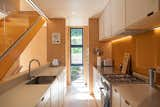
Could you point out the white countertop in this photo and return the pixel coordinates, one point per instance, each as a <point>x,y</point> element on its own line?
<point>24,95</point>
<point>140,95</point>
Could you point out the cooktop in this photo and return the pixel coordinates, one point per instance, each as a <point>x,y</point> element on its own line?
<point>122,78</point>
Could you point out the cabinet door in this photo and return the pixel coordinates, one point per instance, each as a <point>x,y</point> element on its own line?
<point>118,16</point>
<point>97,93</point>
<point>53,93</point>
<point>47,99</point>
<point>138,9</point>
<point>60,91</point>
<point>125,103</point>
<point>107,21</point>
<point>116,99</point>
<point>101,27</point>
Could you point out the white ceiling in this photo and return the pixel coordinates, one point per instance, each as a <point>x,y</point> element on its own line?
<point>76,12</point>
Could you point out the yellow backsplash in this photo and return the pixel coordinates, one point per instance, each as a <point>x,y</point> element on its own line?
<point>144,49</point>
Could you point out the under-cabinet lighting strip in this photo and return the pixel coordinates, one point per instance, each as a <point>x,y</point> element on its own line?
<point>157,28</point>
<point>36,8</point>
<point>122,39</point>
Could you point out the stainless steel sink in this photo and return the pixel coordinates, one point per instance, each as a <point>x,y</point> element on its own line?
<point>41,80</point>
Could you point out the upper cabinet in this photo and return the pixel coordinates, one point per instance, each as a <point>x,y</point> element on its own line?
<point>118,16</point>
<point>137,11</point>
<point>128,17</point>
<point>105,23</point>
<point>101,27</point>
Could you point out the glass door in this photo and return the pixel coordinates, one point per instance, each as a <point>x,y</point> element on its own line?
<point>76,53</point>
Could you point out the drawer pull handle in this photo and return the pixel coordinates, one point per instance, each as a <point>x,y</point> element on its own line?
<point>127,102</point>
<point>42,99</point>
<point>150,14</point>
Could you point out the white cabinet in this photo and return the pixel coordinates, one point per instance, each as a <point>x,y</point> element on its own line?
<point>97,86</point>
<point>139,9</point>
<point>45,100</point>
<point>101,27</point>
<point>118,16</point>
<point>54,96</point>
<point>105,23</point>
<point>116,98</point>
<point>128,17</point>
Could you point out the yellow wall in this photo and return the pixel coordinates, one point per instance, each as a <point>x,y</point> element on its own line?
<point>24,6</point>
<point>10,58</point>
<point>10,5</point>
<point>144,49</point>
<point>56,50</point>
<point>37,49</point>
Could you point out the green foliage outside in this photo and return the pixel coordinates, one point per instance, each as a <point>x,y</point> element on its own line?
<point>76,36</point>
<point>76,50</point>
<point>74,72</point>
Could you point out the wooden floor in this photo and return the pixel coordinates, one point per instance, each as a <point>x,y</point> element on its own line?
<point>78,96</point>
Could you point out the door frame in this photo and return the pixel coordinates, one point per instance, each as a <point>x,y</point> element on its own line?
<point>76,46</point>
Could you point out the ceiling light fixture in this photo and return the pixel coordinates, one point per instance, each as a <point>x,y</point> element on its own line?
<point>36,8</point>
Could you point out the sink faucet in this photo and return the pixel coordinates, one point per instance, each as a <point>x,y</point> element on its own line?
<point>30,63</point>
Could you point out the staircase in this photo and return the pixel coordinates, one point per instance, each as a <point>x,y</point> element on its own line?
<point>16,31</point>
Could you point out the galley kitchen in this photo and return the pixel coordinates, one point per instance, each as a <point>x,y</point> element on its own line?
<point>79,53</point>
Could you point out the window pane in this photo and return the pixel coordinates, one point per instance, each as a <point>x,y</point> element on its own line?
<point>76,36</point>
<point>76,54</point>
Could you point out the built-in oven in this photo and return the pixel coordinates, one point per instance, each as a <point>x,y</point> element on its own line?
<point>105,93</point>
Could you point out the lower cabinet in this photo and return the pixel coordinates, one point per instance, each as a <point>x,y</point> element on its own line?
<point>97,86</point>
<point>45,101</point>
<point>118,100</point>
<point>54,96</point>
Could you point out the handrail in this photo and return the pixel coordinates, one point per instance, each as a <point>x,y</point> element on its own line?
<point>36,8</point>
